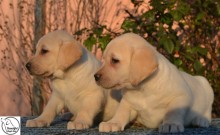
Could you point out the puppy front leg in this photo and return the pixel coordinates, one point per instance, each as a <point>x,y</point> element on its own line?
<point>85,114</point>
<point>122,117</point>
<point>53,107</point>
<point>173,121</point>
<point>82,120</point>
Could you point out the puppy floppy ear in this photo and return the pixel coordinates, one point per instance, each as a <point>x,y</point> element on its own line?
<point>69,53</point>
<point>143,63</point>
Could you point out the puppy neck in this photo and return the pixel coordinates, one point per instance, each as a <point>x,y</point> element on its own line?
<point>61,74</point>
<point>76,67</point>
<point>146,82</point>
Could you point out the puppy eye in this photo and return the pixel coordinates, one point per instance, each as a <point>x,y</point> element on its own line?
<point>44,51</point>
<point>115,61</point>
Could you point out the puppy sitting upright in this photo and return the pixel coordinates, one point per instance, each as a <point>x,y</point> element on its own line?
<point>156,93</point>
<point>71,68</point>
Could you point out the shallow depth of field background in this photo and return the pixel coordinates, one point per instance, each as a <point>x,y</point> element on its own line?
<point>187,32</point>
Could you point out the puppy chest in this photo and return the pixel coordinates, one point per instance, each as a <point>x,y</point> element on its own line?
<point>139,101</point>
<point>150,118</point>
<point>67,94</point>
<point>151,109</point>
<point>72,104</point>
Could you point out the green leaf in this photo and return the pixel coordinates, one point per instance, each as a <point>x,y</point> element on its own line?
<point>104,41</point>
<point>187,55</point>
<point>189,50</point>
<point>168,45</point>
<point>166,18</point>
<point>202,51</point>
<point>178,62</point>
<point>181,10</point>
<point>90,42</point>
<point>128,24</point>
<point>98,31</point>
<point>218,8</point>
<point>200,16</point>
<point>149,15</point>
<point>195,50</point>
<point>177,15</point>
<point>197,66</point>
<point>157,5</point>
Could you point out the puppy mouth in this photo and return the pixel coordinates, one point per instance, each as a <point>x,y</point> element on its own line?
<point>47,74</point>
<point>44,74</point>
<point>108,84</point>
<point>115,86</point>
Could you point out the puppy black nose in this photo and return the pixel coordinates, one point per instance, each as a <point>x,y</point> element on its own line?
<point>97,77</point>
<point>28,66</point>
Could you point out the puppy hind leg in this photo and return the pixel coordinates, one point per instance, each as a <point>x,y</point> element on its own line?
<point>173,121</point>
<point>202,120</point>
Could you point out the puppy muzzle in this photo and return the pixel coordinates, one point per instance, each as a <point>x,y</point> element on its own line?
<point>97,77</point>
<point>28,66</point>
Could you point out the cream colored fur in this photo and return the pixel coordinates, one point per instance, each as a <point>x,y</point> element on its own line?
<point>155,92</point>
<point>71,68</point>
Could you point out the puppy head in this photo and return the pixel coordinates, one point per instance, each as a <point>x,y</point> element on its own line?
<point>128,60</point>
<point>55,52</point>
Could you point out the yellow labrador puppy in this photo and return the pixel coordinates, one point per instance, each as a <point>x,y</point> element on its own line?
<point>71,69</point>
<point>156,93</point>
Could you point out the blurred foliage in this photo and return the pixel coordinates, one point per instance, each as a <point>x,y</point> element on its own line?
<point>97,36</point>
<point>187,32</point>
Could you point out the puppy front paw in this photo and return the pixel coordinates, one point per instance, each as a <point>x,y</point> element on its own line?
<point>110,127</point>
<point>36,123</point>
<point>77,125</point>
<point>171,128</point>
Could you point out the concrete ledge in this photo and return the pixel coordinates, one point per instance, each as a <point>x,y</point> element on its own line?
<point>59,127</point>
